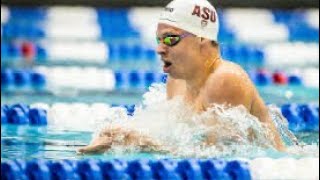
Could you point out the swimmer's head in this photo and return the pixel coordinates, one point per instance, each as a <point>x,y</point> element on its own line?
<point>198,17</point>
<point>186,31</point>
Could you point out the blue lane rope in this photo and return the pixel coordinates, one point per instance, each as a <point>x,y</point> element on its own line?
<point>163,169</point>
<point>21,79</point>
<point>301,117</point>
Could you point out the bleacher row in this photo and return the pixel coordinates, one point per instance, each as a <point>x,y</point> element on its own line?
<point>301,117</point>
<point>94,79</point>
<point>60,26</point>
<point>98,52</point>
<point>46,22</point>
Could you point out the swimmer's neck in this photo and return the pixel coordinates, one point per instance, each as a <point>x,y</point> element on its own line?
<point>195,84</point>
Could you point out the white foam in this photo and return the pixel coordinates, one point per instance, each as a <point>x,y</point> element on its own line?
<point>81,113</point>
<point>100,111</point>
<point>180,129</point>
<point>156,94</point>
<point>75,116</point>
<point>304,150</point>
<point>58,114</point>
<point>82,116</point>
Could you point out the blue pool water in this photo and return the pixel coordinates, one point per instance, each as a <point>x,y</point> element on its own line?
<point>46,143</point>
<point>29,142</point>
<point>52,142</point>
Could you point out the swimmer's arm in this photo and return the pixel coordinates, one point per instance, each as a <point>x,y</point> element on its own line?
<point>232,90</point>
<point>260,110</point>
<point>121,136</point>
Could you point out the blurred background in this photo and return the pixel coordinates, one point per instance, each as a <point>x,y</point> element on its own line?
<point>69,65</point>
<point>104,51</point>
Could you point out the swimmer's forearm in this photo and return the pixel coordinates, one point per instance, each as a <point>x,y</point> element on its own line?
<point>125,137</point>
<point>279,145</point>
<point>266,119</point>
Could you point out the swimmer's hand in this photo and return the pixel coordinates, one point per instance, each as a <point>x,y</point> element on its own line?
<point>99,145</point>
<point>121,136</point>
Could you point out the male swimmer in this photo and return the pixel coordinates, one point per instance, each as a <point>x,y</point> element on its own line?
<point>187,43</point>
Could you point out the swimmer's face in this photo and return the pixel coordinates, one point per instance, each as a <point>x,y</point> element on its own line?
<point>178,50</point>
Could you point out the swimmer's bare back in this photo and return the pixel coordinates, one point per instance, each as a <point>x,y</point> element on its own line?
<point>228,84</point>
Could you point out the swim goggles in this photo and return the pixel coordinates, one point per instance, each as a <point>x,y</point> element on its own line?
<point>171,40</point>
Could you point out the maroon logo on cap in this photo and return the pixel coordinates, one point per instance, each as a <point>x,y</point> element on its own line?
<point>204,13</point>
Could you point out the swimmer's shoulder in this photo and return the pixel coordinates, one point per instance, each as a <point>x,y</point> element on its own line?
<point>227,74</point>
<point>230,84</point>
<point>232,71</point>
<point>230,67</point>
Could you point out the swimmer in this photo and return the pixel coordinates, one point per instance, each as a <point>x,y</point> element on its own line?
<point>187,43</point>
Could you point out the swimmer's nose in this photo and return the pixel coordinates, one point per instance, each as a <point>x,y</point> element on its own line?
<point>161,49</point>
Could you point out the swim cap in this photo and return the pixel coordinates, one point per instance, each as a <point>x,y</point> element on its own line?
<point>198,17</point>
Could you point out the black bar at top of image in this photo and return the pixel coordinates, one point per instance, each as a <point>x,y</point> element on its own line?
<point>127,3</point>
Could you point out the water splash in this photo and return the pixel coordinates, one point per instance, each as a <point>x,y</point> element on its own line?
<point>282,125</point>
<point>183,132</point>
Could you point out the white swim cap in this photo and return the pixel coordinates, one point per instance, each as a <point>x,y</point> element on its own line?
<point>198,17</point>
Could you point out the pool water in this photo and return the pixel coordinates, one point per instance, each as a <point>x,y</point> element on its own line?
<point>29,142</point>
<point>61,139</point>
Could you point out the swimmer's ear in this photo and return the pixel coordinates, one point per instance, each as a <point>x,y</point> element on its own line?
<point>203,41</point>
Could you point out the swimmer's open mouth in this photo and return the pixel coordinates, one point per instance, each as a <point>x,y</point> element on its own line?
<point>167,64</point>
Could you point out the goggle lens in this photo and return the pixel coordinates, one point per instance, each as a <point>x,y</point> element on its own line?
<point>169,40</point>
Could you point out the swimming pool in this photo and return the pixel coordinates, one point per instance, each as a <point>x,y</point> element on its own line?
<point>29,142</point>
<point>34,71</point>
<point>60,139</point>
